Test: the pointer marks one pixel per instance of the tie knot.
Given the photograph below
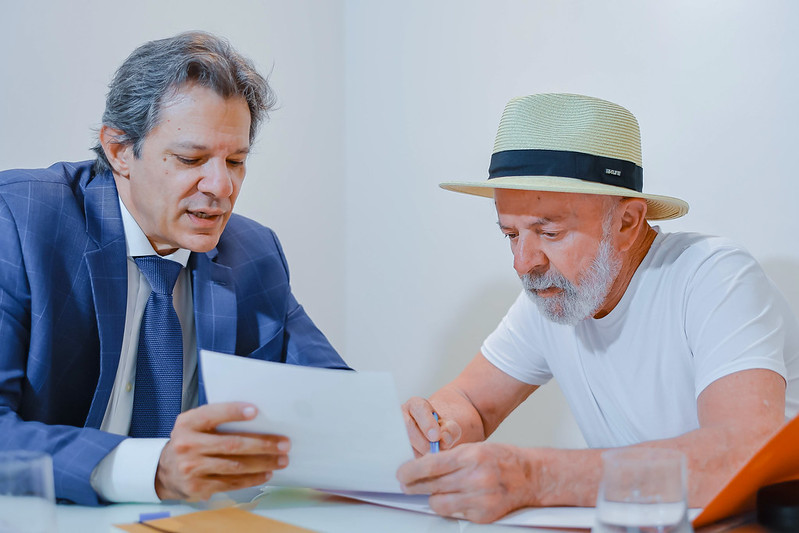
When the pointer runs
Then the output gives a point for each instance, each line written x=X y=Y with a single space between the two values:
x=161 y=273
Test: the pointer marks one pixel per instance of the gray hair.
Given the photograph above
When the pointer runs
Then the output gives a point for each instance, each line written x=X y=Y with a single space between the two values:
x=157 y=70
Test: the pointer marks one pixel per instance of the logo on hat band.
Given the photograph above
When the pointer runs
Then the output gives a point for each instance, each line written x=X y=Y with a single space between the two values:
x=567 y=164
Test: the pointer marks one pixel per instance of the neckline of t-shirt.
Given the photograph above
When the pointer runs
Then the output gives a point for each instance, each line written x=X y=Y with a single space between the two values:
x=632 y=288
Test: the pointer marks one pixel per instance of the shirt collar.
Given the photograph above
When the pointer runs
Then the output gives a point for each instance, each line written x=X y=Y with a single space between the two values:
x=136 y=241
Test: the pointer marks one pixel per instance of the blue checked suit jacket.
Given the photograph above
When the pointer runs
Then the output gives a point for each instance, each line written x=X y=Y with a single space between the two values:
x=63 y=291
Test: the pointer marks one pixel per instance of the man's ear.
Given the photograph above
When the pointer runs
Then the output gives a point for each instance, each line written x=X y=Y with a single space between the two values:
x=117 y=153
x=633 y=220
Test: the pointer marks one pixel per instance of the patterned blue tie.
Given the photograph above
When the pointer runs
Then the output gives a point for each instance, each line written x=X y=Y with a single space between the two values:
x=159 y=361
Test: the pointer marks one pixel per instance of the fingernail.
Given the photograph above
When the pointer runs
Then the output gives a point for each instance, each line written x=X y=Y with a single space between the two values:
x=446 y=438
x=249 y=411
x=458 y=514
x=282 y=460
x=283 y=446
x=431 y=435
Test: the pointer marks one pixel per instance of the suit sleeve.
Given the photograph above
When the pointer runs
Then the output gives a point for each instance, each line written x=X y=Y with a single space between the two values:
x=75 y=451
x=305 y=344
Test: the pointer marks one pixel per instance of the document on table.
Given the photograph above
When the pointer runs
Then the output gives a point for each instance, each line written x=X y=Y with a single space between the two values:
x=559 y=517
x=346 y=428
x=546 y=517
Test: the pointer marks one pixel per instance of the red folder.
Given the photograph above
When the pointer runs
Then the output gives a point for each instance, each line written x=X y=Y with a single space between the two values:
x=775 y=462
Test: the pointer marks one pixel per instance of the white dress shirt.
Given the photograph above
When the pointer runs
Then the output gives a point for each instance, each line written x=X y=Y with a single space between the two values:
x=127 y=474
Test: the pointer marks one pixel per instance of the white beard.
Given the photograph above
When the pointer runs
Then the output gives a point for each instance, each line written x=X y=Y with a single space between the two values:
x=576 y=302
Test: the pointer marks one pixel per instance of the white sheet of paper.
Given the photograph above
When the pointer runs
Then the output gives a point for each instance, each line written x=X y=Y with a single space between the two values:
x=560 y=517
x=345 y=427
x=556 y=517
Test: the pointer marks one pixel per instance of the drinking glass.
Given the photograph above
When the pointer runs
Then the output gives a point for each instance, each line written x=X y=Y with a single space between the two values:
x=27 y=493
x=642 y=490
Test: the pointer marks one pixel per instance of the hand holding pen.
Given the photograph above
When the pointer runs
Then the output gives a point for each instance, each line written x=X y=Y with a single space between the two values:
x=434 y=444
x=428 y=430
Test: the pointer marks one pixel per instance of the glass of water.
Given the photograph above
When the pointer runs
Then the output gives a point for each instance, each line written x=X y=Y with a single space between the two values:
x=27 y=493
x=642 y=490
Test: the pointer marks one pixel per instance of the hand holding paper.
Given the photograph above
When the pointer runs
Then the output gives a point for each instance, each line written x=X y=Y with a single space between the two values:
x=197 y=462
x=345 y=427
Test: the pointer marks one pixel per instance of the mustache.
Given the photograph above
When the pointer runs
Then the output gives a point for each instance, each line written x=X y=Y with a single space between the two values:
x=550 y=278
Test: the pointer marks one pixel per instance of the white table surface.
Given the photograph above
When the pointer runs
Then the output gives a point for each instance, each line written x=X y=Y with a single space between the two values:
x=302 y=507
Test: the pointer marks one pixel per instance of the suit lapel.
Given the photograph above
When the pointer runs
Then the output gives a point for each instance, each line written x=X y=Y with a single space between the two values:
x=107 y=265
x=215 y=308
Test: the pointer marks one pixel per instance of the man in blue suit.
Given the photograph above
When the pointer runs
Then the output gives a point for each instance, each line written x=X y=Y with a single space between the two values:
x=79 y=359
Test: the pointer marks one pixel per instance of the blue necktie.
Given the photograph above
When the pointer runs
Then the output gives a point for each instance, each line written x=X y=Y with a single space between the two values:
x=159 y=361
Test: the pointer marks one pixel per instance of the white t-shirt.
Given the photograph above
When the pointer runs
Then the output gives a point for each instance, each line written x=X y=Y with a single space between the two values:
x=697 y=308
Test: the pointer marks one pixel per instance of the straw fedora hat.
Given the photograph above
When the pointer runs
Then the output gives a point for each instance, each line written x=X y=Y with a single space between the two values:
x=569 y=143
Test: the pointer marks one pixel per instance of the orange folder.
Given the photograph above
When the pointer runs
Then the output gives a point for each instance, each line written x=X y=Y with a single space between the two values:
x=213 y=521
x=775 y=462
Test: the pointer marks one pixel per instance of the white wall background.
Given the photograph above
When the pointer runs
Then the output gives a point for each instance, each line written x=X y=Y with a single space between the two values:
x=380 y=101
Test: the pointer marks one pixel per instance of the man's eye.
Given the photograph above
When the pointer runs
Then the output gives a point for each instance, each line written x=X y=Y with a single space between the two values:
x=510 y=235
x=187 y=160
x=235 y=163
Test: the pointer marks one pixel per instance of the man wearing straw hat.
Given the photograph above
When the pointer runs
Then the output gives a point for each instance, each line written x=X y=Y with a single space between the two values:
x=662 y=340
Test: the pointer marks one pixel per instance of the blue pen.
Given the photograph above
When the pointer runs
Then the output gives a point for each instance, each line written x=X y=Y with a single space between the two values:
x=434 y=445
x=146 y=517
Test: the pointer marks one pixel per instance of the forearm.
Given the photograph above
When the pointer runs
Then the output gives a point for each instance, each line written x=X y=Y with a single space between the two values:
x=714 y=455
x=452 y=404
x=562 y=477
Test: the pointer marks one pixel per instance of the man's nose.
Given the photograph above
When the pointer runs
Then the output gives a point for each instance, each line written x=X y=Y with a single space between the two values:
x=528 y=257
x=217 y=180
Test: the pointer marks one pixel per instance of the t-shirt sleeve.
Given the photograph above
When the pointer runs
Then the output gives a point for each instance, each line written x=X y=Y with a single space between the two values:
x=514 y=346
x=733 y=318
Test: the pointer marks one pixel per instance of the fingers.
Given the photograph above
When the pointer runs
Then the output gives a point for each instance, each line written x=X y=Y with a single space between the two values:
x=231 y=465
x=198 y=461
x=430 y=473
x=450 y=433
x=187 y=441
x=207 y=417
x=419 y=442
x=195 y=432
x=421 y=412
x=473 y=508
x=423 y=428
